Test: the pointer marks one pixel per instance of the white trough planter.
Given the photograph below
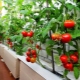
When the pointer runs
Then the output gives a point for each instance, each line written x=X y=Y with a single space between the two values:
x=2 y=50
x=11 y=60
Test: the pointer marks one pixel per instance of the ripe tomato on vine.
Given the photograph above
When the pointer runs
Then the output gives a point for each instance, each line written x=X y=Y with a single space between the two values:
x=24 y=33
x=68 y=66
x=69 y=23
x=74 y=58
x=66 y=37
x=55 y=36
x=64 y=58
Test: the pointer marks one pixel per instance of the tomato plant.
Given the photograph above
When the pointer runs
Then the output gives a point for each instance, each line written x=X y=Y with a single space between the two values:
x=56 y=27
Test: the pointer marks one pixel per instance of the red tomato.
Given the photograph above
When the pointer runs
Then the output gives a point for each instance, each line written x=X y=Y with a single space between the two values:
x=10 y=43
x=30 y=34
x=64 y=58
x=74 y=58
x=8 y=39
x=24 y=33
x=69 y=23
x=10 y=46
x=29 y=49
x=28 y=53
x=66 y=38
x=33 y=52
x=28 y=59
x=68 y=66
x=76 y=54
x=33 y=60
x=56 y=36
x=35 y=56
x=38 y=47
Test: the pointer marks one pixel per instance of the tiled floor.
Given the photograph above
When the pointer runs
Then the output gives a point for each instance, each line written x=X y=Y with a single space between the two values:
x=4 y=72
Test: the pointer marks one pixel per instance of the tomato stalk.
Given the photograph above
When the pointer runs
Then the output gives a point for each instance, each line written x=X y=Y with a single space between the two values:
x=39 y=60
x=78 y=48
x=74 y=14
x=56 y=28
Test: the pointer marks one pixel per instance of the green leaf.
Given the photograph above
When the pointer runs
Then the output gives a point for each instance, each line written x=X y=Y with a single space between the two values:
x=48 y=50
x=19 y=38
x=59 y=50
x=77 y=65
x=48 y=27
x=50 y=42
x=70 y=6
x=24 y=11
x=24 y=49
x=45 y=10
x=13 y=37
x=60 y=17
x=71 y=43
x=76 y=72
x=75 y=34
x=57 y=60
x=8 y=1
x=24 y=40
x=19 y=2
x=65 y=72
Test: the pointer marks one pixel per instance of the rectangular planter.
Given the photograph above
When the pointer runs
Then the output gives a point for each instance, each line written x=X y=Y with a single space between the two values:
x=1 y=50
x=26 y=73
x=12 y=62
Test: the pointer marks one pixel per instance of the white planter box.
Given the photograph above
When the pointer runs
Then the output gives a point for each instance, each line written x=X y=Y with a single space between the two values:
x=26 y=73
x=12 y=62
x=1 y=50
x=33 y=71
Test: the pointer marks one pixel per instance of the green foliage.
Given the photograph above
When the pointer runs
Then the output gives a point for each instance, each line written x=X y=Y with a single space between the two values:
x=65 y=72
x=49 y=26
x=57 y=60
x=48 y=50
x=76 y=72
x=43 y=20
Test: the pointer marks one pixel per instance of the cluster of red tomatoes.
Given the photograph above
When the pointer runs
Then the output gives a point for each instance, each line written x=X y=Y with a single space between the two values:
x=27 y=34
x=9 y=42
x=31 y=55
x=69 y=61
x=66 y=37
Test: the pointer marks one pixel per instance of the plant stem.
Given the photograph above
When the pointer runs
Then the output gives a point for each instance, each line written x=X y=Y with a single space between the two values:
x=77 y=43
x=39 y=60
